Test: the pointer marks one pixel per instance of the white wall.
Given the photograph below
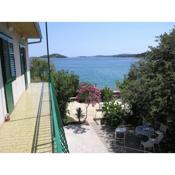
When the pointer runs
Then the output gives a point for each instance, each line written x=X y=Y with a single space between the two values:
x=18 y=85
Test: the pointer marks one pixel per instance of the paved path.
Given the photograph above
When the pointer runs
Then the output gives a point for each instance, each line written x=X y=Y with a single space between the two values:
x=83 y=139
x=16 y=136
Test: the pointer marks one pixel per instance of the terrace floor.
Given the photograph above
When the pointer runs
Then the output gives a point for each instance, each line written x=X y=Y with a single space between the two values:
x=29 y=128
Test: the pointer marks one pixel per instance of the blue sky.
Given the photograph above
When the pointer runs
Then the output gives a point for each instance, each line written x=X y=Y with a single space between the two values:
x=93 y=38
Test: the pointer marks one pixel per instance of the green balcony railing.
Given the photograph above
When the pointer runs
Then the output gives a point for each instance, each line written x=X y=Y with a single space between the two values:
x=59 y=139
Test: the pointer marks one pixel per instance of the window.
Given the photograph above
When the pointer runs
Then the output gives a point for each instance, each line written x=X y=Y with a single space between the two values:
x=23 y=59
x=8 y=60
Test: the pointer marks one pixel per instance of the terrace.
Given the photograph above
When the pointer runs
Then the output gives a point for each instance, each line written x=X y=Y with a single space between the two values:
x=34 y=125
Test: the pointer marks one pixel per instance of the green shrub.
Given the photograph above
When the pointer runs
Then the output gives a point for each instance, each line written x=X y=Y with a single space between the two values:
x=66 y=85
x=114 y=113
x=149 y=87
x=106 y=94
x=39 y=69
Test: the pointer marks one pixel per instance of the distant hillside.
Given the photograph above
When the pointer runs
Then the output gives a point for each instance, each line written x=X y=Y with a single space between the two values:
x=140 y=55
x=124 y=55
x=54 y=55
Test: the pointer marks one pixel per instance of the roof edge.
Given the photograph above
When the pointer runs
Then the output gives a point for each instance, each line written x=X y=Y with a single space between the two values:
x=38 y=29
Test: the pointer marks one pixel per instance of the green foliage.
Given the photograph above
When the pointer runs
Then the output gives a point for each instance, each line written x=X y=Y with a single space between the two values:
x=149 y=88
x=66 y=85
x=114 y=113
x=79 y=114
x=39 y=69
x=69 y=120
x=106 y=94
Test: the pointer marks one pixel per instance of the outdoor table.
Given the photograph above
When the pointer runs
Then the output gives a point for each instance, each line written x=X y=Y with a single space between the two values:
x=120 y=130
x=144 y=130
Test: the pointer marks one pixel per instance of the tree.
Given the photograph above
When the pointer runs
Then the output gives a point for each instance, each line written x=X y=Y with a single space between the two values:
x=88 y=94
x=39 y=69
x=149 y=87
x=66 y=85
x=107 y=94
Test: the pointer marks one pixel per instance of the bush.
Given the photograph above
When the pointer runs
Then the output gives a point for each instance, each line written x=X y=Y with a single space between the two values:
x=149 y=88
x=114 y=113
x=39 y=69
x=107 y=94
x=66 y=85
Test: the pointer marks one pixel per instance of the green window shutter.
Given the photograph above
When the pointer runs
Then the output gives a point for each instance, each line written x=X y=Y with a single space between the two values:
x=23 y=60
x=8 y=61
x=12 y=61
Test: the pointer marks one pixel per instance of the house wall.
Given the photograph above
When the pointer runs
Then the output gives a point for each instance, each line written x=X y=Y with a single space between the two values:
x=18 y=85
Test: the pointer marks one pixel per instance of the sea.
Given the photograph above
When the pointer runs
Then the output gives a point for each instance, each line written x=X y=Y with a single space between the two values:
x=100 y=71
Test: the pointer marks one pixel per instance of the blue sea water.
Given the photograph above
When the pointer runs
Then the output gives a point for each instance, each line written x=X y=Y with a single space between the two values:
x=101 y=71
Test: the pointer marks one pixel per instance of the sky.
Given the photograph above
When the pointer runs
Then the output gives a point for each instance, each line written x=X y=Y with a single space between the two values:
x=96 y=38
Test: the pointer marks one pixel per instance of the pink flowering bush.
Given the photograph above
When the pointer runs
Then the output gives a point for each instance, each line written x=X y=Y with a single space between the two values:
x=88 y=94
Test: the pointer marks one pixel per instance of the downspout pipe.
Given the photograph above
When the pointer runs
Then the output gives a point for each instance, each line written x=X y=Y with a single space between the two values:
x=48 y=55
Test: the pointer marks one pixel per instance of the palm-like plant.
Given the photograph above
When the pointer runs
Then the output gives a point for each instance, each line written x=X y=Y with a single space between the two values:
x=79 y=114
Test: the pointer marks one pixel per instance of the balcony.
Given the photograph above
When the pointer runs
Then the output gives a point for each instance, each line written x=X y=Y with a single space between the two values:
x=35 y=125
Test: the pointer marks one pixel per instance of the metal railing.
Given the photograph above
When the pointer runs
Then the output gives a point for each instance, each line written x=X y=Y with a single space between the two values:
x=59 y=139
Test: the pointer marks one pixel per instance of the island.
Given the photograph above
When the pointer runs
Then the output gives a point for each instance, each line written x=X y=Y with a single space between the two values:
x=140 y=55
x=54 y=55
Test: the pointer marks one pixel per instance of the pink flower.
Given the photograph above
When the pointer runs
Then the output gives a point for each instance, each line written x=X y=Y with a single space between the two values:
x=89 y=94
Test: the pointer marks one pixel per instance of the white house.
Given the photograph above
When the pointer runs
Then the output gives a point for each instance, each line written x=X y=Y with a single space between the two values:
x=14 y=62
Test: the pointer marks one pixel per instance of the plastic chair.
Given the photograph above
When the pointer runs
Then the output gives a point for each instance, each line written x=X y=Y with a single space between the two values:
x=120 y=134
x=158 y=139
x=148 y=145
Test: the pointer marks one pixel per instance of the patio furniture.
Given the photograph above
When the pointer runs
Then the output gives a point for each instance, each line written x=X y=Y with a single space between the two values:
x=132 y=141
x=158 y=139
x=120 y=134
x=148 y=145
x=144 y=130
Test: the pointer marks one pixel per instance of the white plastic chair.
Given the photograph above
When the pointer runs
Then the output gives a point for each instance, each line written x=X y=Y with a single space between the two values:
x=120 y=134
x=158 y=139
x=148 y=145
